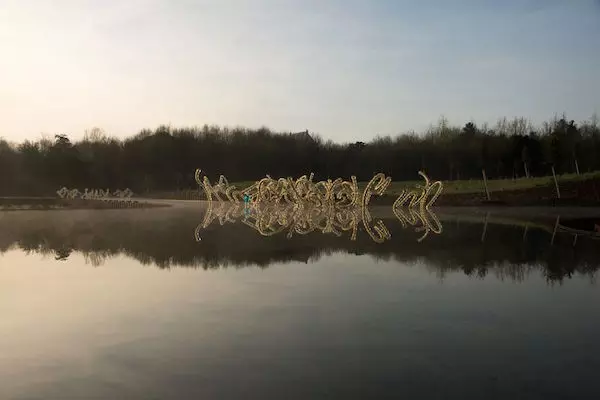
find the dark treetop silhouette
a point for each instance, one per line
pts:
(165, 159)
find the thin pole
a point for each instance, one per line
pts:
(487, 214)
(555, 182)
(555, 228)
(487, 192)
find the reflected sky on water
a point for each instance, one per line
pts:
(129, 305)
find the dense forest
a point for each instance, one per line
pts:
(165, 159)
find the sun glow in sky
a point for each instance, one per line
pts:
(346, 69)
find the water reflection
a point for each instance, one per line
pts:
(276, 219)
(475, 246)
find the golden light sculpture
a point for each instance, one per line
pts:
(94, 194)
(423, 196)
(302, 191)
(302, 205)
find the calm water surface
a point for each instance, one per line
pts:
(128, 305)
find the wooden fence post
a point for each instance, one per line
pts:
(555, 182)
(487, 192)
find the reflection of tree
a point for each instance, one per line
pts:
(96, 258)
(63, 253)
(163, 237)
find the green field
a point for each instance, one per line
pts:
(476, 185)
(496, 185)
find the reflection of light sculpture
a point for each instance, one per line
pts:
(269, 220)
(274, 219)
(426, 218)
(278, 204)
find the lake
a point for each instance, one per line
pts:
(147, 304)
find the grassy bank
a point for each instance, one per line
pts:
(495, 185)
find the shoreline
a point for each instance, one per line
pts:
(56, 204)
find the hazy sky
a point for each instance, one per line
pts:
(346, 69)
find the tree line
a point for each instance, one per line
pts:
(165, 159)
